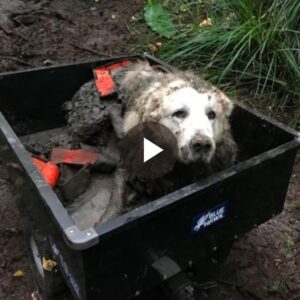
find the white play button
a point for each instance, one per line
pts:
(150, 150)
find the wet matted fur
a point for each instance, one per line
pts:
(152, 95)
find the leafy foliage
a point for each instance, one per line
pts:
(251, 45)
(158, 19)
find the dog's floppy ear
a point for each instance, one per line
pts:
(223, 102)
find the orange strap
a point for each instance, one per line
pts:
(104, 82)
(76, 157)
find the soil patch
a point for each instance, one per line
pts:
(37, 33)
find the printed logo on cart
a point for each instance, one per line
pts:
(210, 217)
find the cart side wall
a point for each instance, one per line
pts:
(255, 134)
(43, 90)
(125, 260)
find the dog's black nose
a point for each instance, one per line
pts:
(202, 146)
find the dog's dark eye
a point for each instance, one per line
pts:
(211, 114)
(180, 114)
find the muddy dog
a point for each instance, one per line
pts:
(196, 112)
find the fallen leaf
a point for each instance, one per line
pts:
(206, 23)
(152, 47)
(48, 264)
(19, 273)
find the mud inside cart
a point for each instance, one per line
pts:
(79, 155)
(86, 193)
(77, 159)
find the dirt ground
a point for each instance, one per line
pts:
(264, 264)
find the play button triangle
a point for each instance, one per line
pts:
(150, 150)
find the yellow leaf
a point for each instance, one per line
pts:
(48, 264)
(152, 47)
(19, 273)
(206, 23)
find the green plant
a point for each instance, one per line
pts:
(251, 45)
(158, 19)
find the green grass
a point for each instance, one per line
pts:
(252, 47)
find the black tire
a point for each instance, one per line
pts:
(50, 283)
(179, 287)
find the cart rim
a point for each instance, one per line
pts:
(36, 256)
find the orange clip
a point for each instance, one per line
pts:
(48, 170)
(104, 82)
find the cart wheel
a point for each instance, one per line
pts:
(179, 287)
(50, 283)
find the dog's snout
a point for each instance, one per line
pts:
(201, 145)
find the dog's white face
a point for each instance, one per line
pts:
(197, 119)
(194, 119)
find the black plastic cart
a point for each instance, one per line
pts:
(190, 228)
